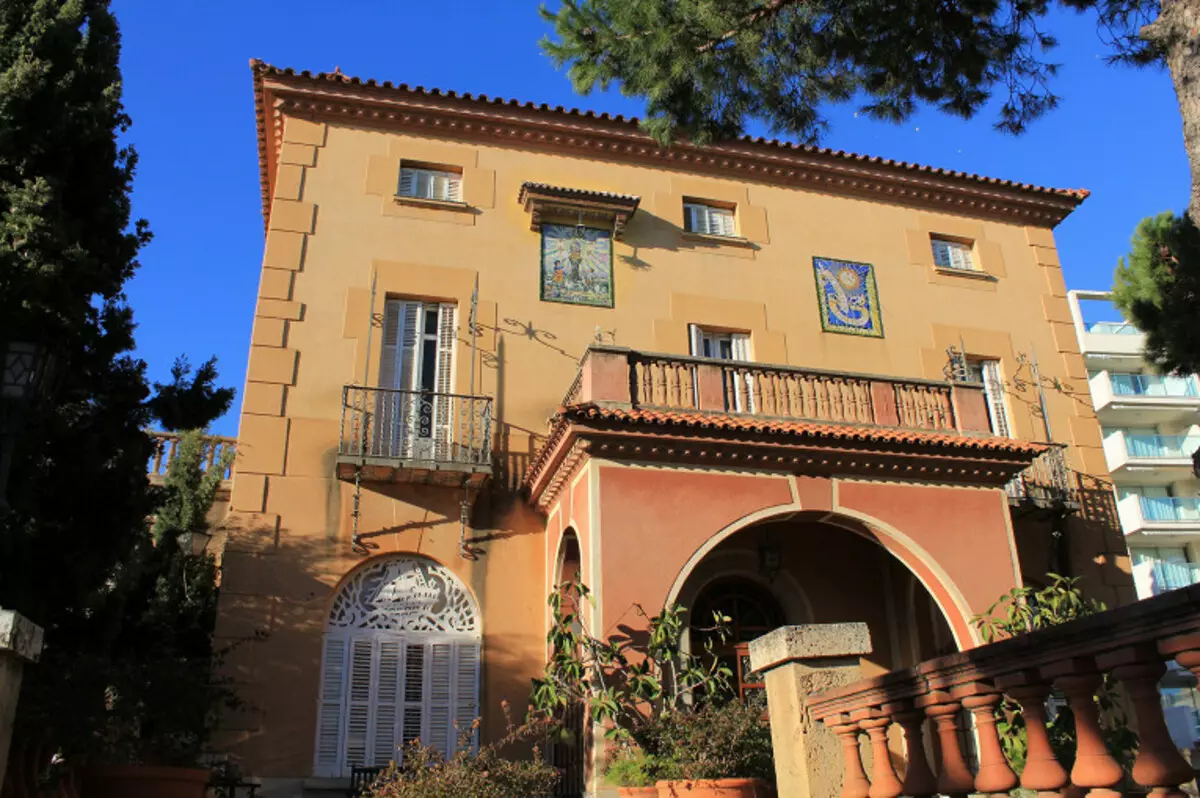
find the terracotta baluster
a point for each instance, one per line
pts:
(1158, 765)
(854, 783)
(1043, 772)
(919, 781)
(1095, 769)
(884, 783)
(954, 777)
(994, 777)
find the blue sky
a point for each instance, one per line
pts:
(188, 89)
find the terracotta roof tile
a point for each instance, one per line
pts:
(262, 69)
(813, 429)
(580, 192)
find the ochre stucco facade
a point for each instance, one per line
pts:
(331, 154)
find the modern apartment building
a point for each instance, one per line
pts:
(497, 345)
(1151, 429)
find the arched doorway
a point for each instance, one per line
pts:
(400, 662)
(815, 568)
(751, 610)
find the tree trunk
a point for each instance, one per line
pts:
(1177, 32)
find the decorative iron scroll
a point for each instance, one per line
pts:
(404, 594)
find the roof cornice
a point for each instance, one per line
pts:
(334, 97)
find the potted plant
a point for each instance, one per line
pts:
(670, 714)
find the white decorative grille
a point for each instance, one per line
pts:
(404, 594)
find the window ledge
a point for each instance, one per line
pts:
(972, 274)
(422, 202)
(733, 241)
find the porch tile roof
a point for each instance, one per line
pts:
(814, 429)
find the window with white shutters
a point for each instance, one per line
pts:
(401, 662)
(739, 383)
(951, 254)
(709, 220)
(416, 378)
(988, 373)
(420, 182)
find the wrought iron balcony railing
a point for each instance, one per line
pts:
(1047, 483)
(416, 429)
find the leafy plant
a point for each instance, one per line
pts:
(729, 740)
(633, 767)
(1028, 609)
(625, 682)
(425, 772)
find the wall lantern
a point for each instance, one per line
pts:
(25, 372)
(194, 543)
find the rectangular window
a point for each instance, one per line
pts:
(709, 220)
(719, 345)
(951, 254)
(988, 373)
(431, 183)
(416, 379)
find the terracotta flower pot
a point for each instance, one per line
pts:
(144, 781)
(714, 788)
(637, 792)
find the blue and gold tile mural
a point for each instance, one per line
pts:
(577, 265)
(848, 299)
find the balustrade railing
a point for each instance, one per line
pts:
(784, 392)
(166, 446)
(1132, 644)
(416, 426)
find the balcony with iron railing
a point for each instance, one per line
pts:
(393, 435)
(1130, 645)
(1159, 514)
(1149, 458)
(654, 381)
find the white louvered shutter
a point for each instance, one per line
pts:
(696, 340)
(393, 411)
(330, 710)
(358, 702)
(720, 221)
(443, 407)
(387, 703)
(466, 688)
(439, 708)
(414, 693)
(408, 182)
(993, 388)
(740, 349)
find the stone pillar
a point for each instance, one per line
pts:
(797, 661)
(20, 642)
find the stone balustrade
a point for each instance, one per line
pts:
(166, 445)
(1132, 644)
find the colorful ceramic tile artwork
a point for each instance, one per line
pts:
(849, 301)
(577, 265)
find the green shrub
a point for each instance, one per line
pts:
(715, 742)
(426, 772)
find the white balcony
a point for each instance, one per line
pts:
(1159, 516)
(1149, 459)
(1117, 338)
(1154, 577)
(1123, 399)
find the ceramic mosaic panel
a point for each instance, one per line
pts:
(848, 298)
(577, 265)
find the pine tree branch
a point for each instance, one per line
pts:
(770, 9)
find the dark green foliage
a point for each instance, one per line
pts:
(190, 401)
(706, 67)
(1157, 287)
(717, 741)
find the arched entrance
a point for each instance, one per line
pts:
(751, 610)
(814, 568)
(400, 661)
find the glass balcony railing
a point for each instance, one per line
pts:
(1113, 328)
(1174, 575)
(1169, 508)
(1161, 447)
(1153, 385)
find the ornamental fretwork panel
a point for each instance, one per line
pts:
(404, 594)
